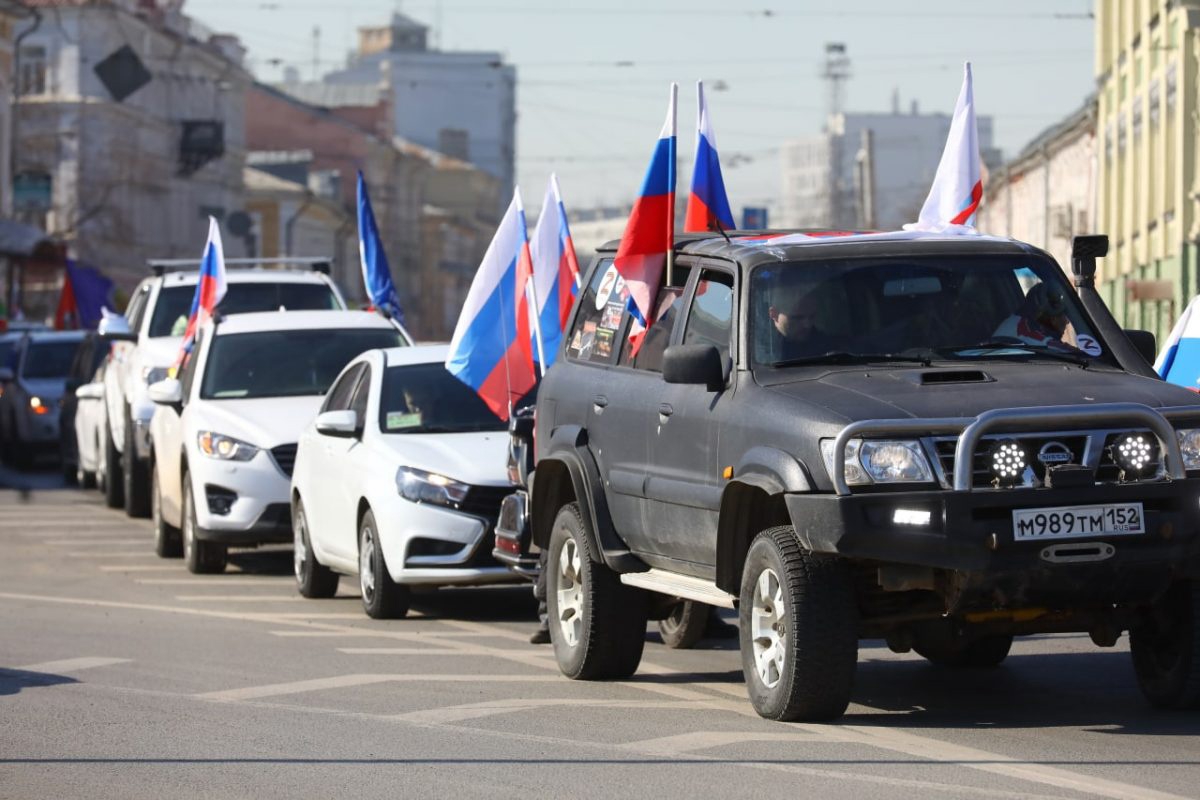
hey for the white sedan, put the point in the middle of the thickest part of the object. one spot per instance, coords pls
(223, 437)
(399, 481)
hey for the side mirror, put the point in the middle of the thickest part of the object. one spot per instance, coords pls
(6, 374)
(694, 364)
(1084, 252)
(167, 392)
(1143, 342)
(115, 328)
(90, 391)
(343, 423)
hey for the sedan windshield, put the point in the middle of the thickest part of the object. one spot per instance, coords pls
(920, 309)
(49, 359)
(425, 398)
(285, 363)
(175, 302)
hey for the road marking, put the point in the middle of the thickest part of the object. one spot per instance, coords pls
(488, 708)
(343, 681)
(140, 568)
(239, 598)
(84, 540)
(133, 554)
(415, 651)
(73, 664)
(225, 581)
(704, 740)
(360, 632)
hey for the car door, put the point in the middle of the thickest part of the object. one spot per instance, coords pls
(350, 462)
(321, 488)
(166, 432)
(684, 485)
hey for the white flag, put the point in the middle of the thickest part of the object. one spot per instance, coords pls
(957, 188)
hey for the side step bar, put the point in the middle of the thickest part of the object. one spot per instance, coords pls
(685, 586)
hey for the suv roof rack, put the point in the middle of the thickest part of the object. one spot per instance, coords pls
(162, 265)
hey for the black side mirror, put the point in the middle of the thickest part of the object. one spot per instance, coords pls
(1084, 252)
(1143, 342)
(694, 364)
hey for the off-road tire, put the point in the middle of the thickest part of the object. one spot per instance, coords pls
(1166, 649)
(685, 624)
(941, 646)
(114, 480)
(136, 474)
(201, 557)
(607, 619)
(313, 579)
(385, 599)
(168, 540)
(819, 634)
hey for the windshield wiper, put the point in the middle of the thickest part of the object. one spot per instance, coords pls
(1038, 349)
(843, 357)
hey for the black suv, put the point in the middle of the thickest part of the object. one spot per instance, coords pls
(933, 441)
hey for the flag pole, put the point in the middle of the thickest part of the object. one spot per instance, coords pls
(531, 299)
(671, 184)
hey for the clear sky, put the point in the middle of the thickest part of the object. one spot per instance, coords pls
(592, 76)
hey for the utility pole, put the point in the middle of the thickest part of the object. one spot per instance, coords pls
(835, 72)
(316, 54)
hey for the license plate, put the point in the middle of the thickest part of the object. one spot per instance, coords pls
(1071, 522)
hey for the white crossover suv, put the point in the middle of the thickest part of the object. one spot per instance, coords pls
(399, 481)
(223, 436)
(147, 340)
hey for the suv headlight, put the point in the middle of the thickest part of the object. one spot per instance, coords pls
(419, 486)
(226, 448)
(880, 461)
(1189, 447)
(153, 374)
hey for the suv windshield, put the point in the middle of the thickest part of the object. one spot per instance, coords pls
(285, 363)
(174, 302)
(425, 398)
(49, 359)
(919, 309)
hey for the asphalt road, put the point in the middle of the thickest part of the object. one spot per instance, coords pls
(123, 676)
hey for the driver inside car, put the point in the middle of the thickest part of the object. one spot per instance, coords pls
(1041, 319)
(794, 332)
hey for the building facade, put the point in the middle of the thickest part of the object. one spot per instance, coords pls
(129, 132)
(1146, 75)
(1047, 194)
(822, 181)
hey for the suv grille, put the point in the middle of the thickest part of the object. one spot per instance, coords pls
(285, 457)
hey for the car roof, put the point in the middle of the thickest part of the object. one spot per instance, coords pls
(261, 321)
(249, 275)
(417, 354)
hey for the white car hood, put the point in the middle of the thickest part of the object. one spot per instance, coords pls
(479, 459)
(263, 422)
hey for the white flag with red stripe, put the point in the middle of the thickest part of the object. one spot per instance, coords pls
(958, 186)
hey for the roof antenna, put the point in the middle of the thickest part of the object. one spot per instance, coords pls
(721, 231)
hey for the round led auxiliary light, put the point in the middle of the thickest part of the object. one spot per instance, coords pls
(1133, 452)
(1007, 460)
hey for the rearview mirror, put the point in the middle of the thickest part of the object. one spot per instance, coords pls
(699, 364)
(338, 423)
(1143, 342)
(167, 392)
(115, 328)
(90, 391)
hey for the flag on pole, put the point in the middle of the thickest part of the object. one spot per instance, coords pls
(555, 269)
(492, 347)
(958, 185)
(708, 205)
(1179, 360)
(209, 289)
(377, 276)
(650, 232)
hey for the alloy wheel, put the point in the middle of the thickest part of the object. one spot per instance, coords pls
(570, 593)
(366, 564)
(299, 552)
(768, 629)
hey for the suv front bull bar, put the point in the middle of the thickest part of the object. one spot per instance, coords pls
(1019, 420)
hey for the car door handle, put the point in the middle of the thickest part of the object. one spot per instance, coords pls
(666, 410)
(600, 402)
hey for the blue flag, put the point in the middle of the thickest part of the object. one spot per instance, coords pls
(377, 276)
(93, 291)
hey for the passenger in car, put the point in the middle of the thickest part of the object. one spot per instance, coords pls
(794, 332)
(1041, 319)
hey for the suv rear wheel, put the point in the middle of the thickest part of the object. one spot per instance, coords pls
(597, 623)
(799, 633)
(685, 624)
(1166, 649)
(136, 472)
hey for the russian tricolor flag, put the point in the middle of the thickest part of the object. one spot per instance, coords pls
(210, 289)
(1179, 361)
(958, 185)
(555, 270)
(708, 205)
(492, 348)
(650, 233)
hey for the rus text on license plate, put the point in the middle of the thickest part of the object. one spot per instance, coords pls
(1068, 522)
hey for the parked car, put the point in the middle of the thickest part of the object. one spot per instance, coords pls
(147, 341)
(92, 470)
(223, 437)
(398, 481)
(85, 369)
(931, 440)
(32, 389)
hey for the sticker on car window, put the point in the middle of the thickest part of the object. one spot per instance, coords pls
(1088, 345)
(612, 316)
(609, 284)
(399, 420)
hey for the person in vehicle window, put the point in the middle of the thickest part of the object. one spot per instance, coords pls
(794, 332)
(1041, 320)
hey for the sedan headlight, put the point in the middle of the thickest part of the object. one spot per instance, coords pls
(1189, 447)
(153, 374)
(226, 448)
(419, 486)
(879, 461)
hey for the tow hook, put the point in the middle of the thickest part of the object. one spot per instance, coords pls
(1078, 553)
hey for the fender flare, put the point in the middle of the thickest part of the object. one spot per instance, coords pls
(773, 471)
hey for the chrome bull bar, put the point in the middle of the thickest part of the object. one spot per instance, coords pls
(1021, 420)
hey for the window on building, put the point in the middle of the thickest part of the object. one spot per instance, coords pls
(1171, 89)
(1108, 142)
(1137, 120)
(1121, 129)
(1154, 100)
(32, 78)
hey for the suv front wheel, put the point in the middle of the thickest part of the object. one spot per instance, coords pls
(799, 634)
(597, 623)
(1165, 647)
(136, 474)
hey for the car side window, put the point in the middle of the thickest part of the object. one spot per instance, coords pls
(137, 309)
(710, 319)
(601, 310)
(358, 402)
(338, 398)
(648, 353)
